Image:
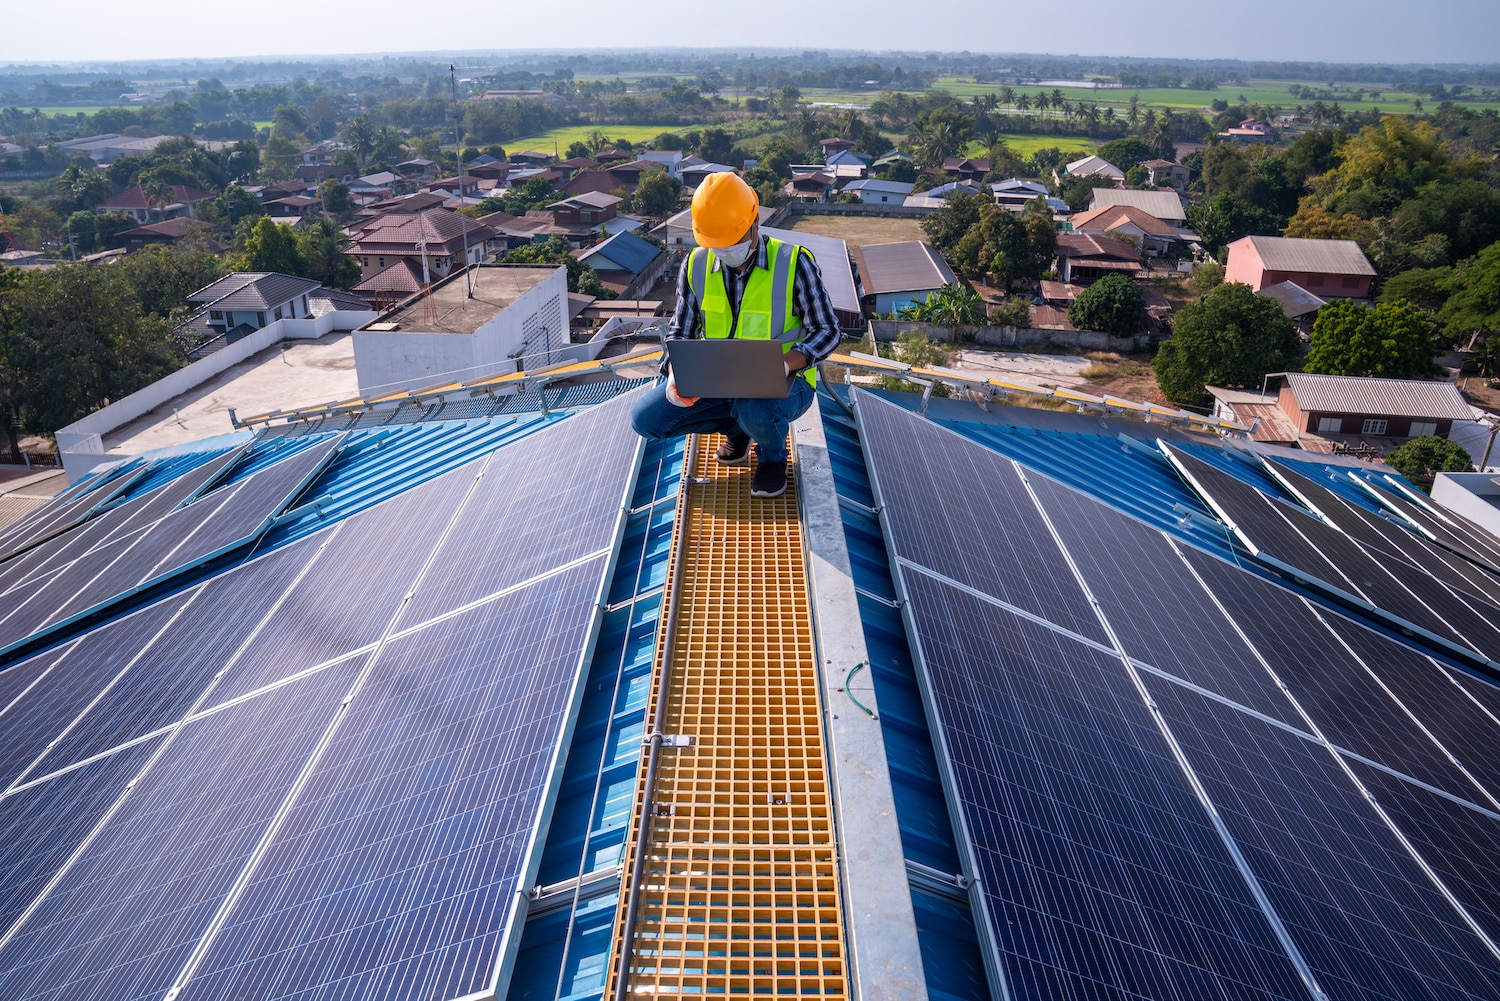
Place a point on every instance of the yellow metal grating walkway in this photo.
(739, 889)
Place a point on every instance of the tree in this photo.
(71, 339)
(657, 193)
(1126, 153)
(1219, 221)
(1391, 340)
(1078, 191)
(951, 306)
(1421, 459)
(1206, 276)
(163, 276)
(1473, 304)
(1112, 304)
(321, 246)
(273, 247)
(335, 195)
(1230, 337)
(581, 277)
(947, 225)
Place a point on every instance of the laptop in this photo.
(729, 368)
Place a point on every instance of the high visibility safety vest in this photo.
(765, 308)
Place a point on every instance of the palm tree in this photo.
(360, 138)
(1057, 96)
(1134, 113)
(1024, 101)
(1041, 101)
(934, 143)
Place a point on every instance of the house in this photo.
(418, 202)
(1249, 131)
(894, 275)
(1157, 237)
(511, 316)
(832, 255)
(875, 192)
(1015, 194)
(579, 217)
(1326, 268)
(671, 159)
(317, 173)
(847, 158)
(293, 207)
(1164, 205)
(177, 200)
(1059, 294)
(936, 198)
(381, 184)
(677, 231)
(1299, 305)
(815, 187)
(497, 171)
(436, 235)
(417, 167)
(1334, 405)
(282, 189)
(398, 282)
(168, 231)
(1090, 166)
(251, 299)
(1083, 258)
(110, 146)
(511, 232)
(597, 181)
(694, 175)
(836, 145)
(967, 169)
(1161, 172)
(627, 264)
(531, 158)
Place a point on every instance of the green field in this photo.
(1268, 92)
(569, 134)
(1027, 145)
(69, 109)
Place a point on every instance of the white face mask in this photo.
(736, 255)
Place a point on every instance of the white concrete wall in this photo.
(1476, 496)
(385, 362)
(80, 444)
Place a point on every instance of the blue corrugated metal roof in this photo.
(626, 250)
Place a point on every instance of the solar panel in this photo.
(1159, 612)
(1101, 873)
(63, 511)
(1382, 535)
(68, 681)
(396, 870)
(973, 521)
(1228, 764)
(1325, 554)
(511, 529)
(135, 515)
(187, 536)
(1474, 545)
(124, 917)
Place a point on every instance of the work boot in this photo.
(735, 450)
(769, 479)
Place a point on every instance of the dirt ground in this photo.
(861, 231)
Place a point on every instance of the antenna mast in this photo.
(458, 156)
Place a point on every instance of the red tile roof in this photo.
(442, 230)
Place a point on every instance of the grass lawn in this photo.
(1026, 145)
(69, 109)
(861, 231)
(569, 134)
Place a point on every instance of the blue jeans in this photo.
(766, 421)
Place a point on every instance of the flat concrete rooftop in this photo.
(310, 372)
(452, 311)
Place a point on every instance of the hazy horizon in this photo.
(1334, 31)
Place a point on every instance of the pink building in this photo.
(1328, 268)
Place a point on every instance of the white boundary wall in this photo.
(80, 445)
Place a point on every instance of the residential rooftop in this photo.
(495, 286)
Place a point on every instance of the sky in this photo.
(1447, 31)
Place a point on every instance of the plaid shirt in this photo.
(820, 330)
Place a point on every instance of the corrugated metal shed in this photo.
(1161, 204)
(911, 266)
(832, 255)
(1329, 257)
(1342, 394)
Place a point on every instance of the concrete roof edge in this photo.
(884, 951)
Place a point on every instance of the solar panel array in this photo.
(1173, 776)
(319, 774)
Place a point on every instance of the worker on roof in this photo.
(725, 290)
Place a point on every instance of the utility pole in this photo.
(458, 156)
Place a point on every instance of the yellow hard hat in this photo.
(724, 207)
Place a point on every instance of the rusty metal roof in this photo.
(1397, 397)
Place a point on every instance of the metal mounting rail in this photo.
(733, 885)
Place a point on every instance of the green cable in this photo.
(849, 692)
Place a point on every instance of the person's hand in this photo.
(673, 398)
(794, 361)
